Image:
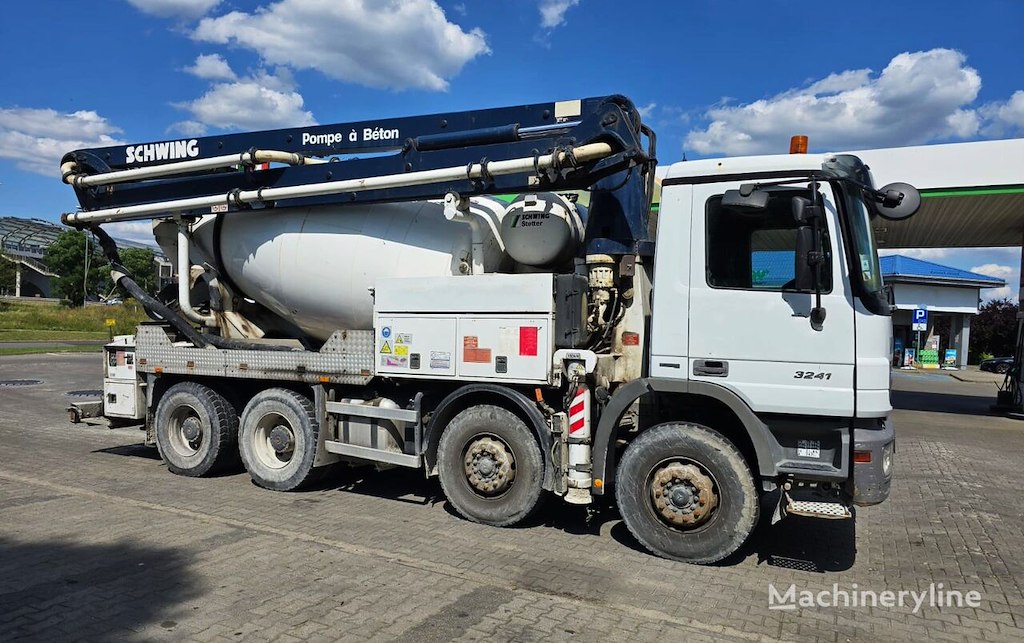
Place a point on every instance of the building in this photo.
(950, 295)
(24, 242)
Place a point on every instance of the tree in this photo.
(66, 257)
(139, 262)
(7, 276)
(994, 329)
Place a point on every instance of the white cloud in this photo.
(262, 101)
(187, 128)
(552, 12)
(394, 44)
(1005, 116)
(1004, 292)
(996, 270)
(175, 8)
(211, 67)
(138, 231)
(1009, 274)
(928, 254)
(647, 110)
(36, 139)
(919, 97)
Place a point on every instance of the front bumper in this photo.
(872, 480)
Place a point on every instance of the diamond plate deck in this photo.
(346, 358)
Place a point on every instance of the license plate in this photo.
(808, 448)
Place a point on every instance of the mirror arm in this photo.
(875, 195)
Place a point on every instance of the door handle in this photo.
(711, 367)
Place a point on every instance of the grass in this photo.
(57, 349)
(29, 335)
(53, 322)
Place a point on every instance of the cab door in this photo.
(749, 328)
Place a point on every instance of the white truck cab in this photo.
(728, 309)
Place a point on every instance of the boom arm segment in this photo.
(546, 146)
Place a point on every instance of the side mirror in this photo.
(803, 212)
(803, 272)
(746, 198)
(897, 201)
(808, 256)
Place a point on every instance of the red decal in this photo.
(576, 408)
(630, 339)
(476, 355)
(575, 426)
(528, 341)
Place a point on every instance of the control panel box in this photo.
(488, 327)
(123, 395)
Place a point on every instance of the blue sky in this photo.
(713, 77)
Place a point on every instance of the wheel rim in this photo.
(683, 494)
(273, 441)
(489, 465)
(185, 431)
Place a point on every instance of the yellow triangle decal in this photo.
(386, 348)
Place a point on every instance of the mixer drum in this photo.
(317, 266)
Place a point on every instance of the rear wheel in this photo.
(278, 439)
(686, 493)
(196, 430)
(490, 466)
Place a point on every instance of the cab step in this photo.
(829, 509)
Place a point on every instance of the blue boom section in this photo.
(621, 182)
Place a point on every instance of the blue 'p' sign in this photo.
(920, 319)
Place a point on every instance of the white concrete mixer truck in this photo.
(481, 295)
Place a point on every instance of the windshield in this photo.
(863, 240)
(865, 272)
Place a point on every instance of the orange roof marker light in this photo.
(798, 144)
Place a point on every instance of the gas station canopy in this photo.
(972, 194)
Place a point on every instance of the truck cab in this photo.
(810, 360)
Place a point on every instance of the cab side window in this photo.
(755, 249)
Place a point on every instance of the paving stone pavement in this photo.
(99, 542)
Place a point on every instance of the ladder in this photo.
(592, 143)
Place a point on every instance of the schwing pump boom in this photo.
(593, 143)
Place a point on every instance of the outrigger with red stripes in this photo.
(486, 296)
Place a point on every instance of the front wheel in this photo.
(490, 466)
(686, 493)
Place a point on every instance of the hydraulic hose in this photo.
(160, 312)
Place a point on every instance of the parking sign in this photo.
(920, 319)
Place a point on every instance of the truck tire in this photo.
(490, 466)
(278, 439)
(686, 493)
(196, 430)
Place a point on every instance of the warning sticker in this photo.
(440, 360)
(471, 351)
(528, 341)
(401, 349)
(392, 361)
(385, 349)
(508, 340)
(403, 338)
